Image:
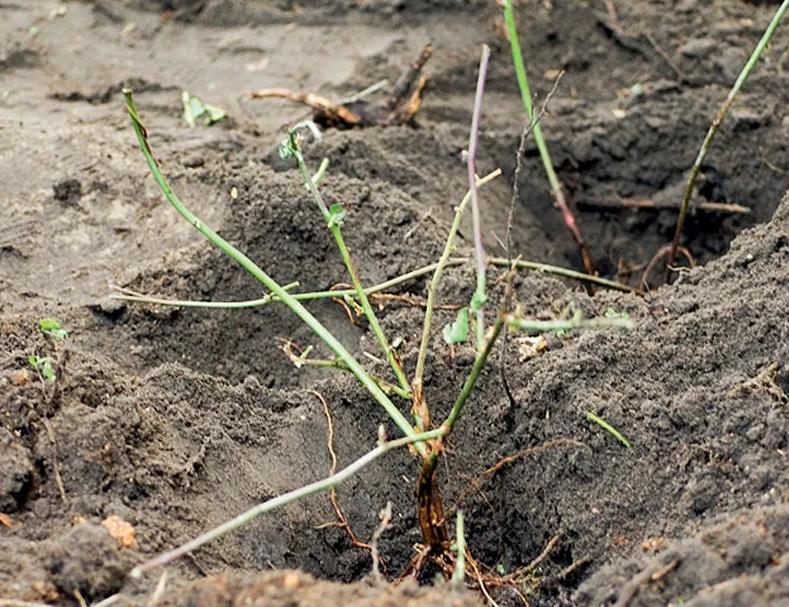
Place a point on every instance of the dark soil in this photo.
(175, 420)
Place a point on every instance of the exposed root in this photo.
(506, 460)
(414, 566)
(663, 252)
(386, 518)
(438, 551)
(650, 574)
(328, 109)
(381, 299)
(518, 575)
(478, 575)
(648, 203)
(399, 107)
(476, 578)
(341, 520)
(300, 357)
(572, 567)
(411, 300)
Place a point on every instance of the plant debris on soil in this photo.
(147, 425)
(399, 107)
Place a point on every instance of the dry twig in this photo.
(399, 107)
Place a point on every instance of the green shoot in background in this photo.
(556, 187)
(52, 327)
(705, 146)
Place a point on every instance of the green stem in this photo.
(129, 295)
(480, 295)
(346, 256)
(246, 263)
(432, 289)
(564, 272)
(391, 355)
(282, 500)
(608, 427)
(705, 146)
(459, 575)
(479, 361)
(523, 84)
(504, 318)
(565, 325)
(338, 363)
(319, 174)
(539, 139)
(479, 364)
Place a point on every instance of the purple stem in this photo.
(471, 159)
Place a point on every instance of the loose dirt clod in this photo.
(88, 560)
(122, 531)
(16, 472)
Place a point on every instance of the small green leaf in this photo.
(53, 328)
(188, 115)
(478, 300)
(43, 365)
(284, 149)
(194, 108)
(608, 427)
(456, 332)
(302, 358)
(611, 313)
(47, 371)
(336, 215)
(214, 114)
(294, 132)
(318, 176)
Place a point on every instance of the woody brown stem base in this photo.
(431, 509)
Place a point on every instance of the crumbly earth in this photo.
(174, 420)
